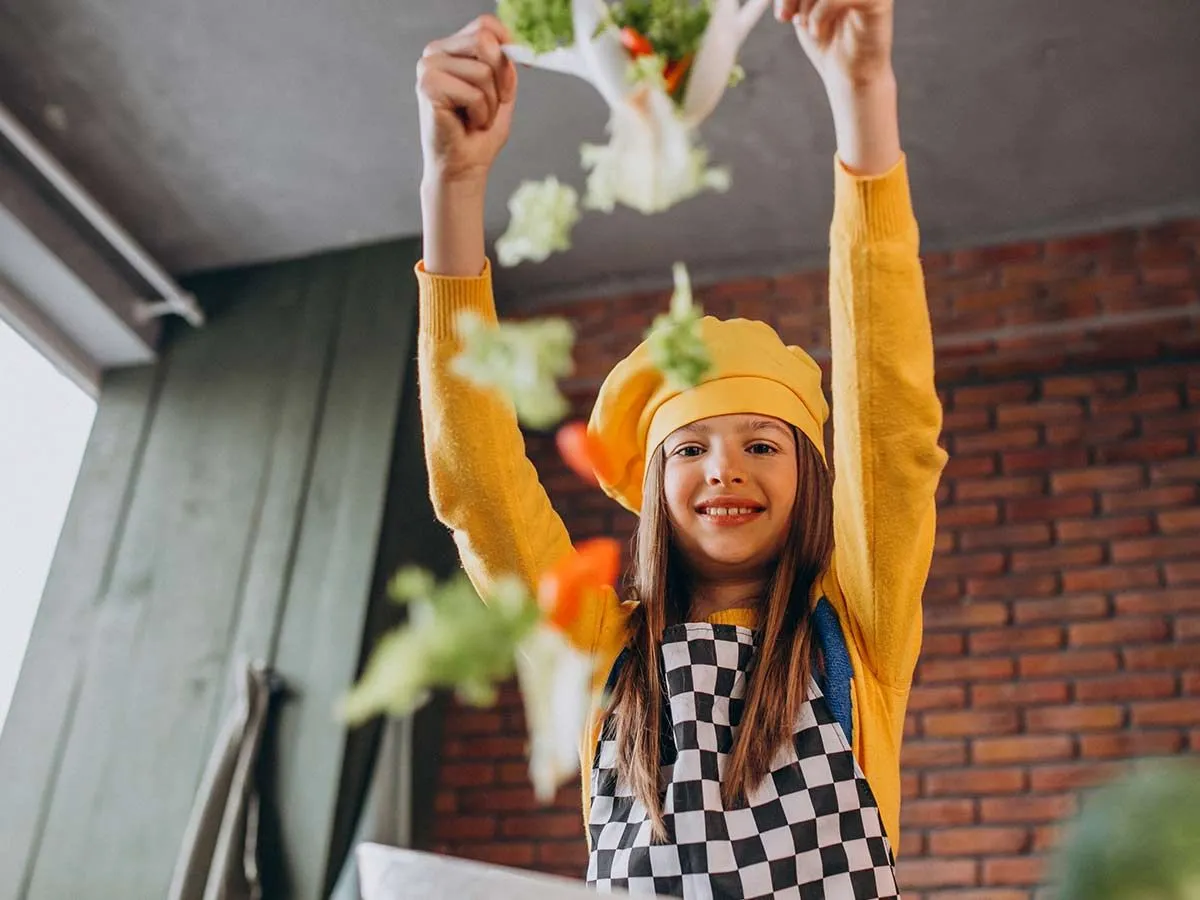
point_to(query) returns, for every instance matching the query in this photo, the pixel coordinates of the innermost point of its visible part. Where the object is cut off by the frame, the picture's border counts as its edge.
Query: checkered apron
(811, 829)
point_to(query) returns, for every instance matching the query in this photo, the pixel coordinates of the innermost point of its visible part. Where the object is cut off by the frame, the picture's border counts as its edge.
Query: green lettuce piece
(676, 345)
(541, 216)
(521, 360)
(542, 25)
(674, 28)
(1137, 838)
(451, 641)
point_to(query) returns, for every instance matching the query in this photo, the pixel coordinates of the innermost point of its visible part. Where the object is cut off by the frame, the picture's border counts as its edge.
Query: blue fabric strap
(834, 682)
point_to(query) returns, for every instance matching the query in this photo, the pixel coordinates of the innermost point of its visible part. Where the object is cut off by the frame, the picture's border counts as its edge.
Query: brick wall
(1063, 609)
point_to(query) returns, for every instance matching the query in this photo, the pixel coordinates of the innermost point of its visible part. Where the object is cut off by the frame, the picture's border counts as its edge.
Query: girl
(759, 671)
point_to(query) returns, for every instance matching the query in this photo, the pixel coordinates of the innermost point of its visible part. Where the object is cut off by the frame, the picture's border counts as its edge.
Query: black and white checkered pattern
(809, 830)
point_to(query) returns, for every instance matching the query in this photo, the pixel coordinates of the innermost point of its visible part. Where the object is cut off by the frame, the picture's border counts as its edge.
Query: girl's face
(730, 485)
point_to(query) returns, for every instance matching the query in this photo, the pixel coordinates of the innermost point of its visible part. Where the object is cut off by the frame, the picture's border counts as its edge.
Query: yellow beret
(752, 371)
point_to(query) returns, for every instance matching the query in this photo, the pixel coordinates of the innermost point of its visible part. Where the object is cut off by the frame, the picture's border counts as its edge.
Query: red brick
(1082, 245)
(1111, 478)
(1072, 776)
(959, 420)
(967, 564)
(1073, 719)
(977, 780)
(926, 873)
(1025, 748)
(1163, 657)
(455, 774)
(445, 802)
(1042, 808)
(1155, 549)
(1185, 470)
(1129, 744)
(967, 615)
(464, 828)
(1046, 837)
(941, 645)
(912, 843)
(1039, 412)
(967, 723)
(1042, 509)
(490, 747)
(1187, 628)
(1067, 662)
(989, 442)
(498, 800)
(988, 258)
(1125, 687)
(937, 670)
(969, 466)
(1057, 557)
(920, 754)
(1101, 529)
(1144, 450)
(566, 858)
(981, 841)
(1111, 578)
(509, 854)
(968, 515)
(998, 488)
(1152, 500)
(1084, 385)
(1015, 640)
(1117, 631)
(1043, 459)
(1140, 402)
(1032, 585)
(543, 825)
(1016, 870)
(1019, 693)
(992, 394)
(1183, 712)
(938, 813)
(1182, 572)
(1167, 600)
(1092, 431)
(942, 592)
(1179, 521)
(1005, 537)
(461, 721)
(1061, 609)
(910, 785)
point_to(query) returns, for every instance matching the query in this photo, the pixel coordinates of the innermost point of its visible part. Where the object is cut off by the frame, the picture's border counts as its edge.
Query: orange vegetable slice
(635, 42)
(674, 72)
(582, 452)
(591, 566)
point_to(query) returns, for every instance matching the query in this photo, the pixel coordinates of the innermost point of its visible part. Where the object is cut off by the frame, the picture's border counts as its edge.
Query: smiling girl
(758, 669)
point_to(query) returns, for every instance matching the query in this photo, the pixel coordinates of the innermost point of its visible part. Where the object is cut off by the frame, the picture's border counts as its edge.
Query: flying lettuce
(676, 345)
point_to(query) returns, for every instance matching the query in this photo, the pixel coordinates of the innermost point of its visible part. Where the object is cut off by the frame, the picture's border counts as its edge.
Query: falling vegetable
(1137, 838)
(451, 641)
(521, 360)
(563, 590)
(582, 452)
(676, 344)
(542, 214)
(541, 25)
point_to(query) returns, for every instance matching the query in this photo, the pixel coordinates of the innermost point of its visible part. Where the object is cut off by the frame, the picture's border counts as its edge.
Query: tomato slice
(562, 589)
(674, 72)
(635, 42)
(582, 452)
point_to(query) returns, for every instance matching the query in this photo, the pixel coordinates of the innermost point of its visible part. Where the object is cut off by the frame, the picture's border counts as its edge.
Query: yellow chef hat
(752, 371)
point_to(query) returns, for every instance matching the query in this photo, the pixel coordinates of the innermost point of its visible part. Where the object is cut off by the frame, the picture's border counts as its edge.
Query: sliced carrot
(674, 72)
(562, 589)
(582, 452)
(635, 42)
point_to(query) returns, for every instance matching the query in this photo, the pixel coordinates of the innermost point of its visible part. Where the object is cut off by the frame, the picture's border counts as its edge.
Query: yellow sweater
(886, 418)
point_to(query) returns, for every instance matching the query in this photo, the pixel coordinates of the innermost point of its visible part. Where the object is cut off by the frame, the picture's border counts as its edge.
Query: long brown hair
(659, 581)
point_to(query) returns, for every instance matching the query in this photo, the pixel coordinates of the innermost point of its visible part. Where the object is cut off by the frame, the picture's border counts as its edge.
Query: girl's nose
(723, 469)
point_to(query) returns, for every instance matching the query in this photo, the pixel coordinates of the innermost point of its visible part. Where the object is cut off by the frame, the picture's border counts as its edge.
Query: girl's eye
(688, 450)
(761, 449)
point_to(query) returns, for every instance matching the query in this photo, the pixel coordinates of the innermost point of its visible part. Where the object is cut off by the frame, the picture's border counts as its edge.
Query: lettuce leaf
(541, 25)
(521, 360)
(676, 346)
(542, 214)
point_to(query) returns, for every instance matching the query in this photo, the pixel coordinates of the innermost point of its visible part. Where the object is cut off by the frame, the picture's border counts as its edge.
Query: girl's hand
(848, 41)
(466, 89)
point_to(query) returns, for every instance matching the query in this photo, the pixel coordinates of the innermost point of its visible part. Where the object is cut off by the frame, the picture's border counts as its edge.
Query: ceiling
(223, 132)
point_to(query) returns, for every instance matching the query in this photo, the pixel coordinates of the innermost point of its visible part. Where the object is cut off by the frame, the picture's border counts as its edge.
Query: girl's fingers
(825, 15)
(785, 10)
(448, 92)
(475, 73)
(806, 7)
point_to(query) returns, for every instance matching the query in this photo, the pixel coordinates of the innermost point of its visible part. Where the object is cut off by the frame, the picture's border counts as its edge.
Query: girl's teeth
(727, 511)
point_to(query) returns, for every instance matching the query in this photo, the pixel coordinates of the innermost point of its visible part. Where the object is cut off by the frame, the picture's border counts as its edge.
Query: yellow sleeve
(886, 418)
(482, 485)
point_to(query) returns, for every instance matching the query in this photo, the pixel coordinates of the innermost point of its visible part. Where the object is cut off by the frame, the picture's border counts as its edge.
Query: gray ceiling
(223, 132)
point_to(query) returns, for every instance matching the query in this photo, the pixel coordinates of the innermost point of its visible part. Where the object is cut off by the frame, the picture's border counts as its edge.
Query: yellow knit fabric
(887, 461)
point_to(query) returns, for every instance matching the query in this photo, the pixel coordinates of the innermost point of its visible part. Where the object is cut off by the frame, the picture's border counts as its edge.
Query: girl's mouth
(726, 514)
